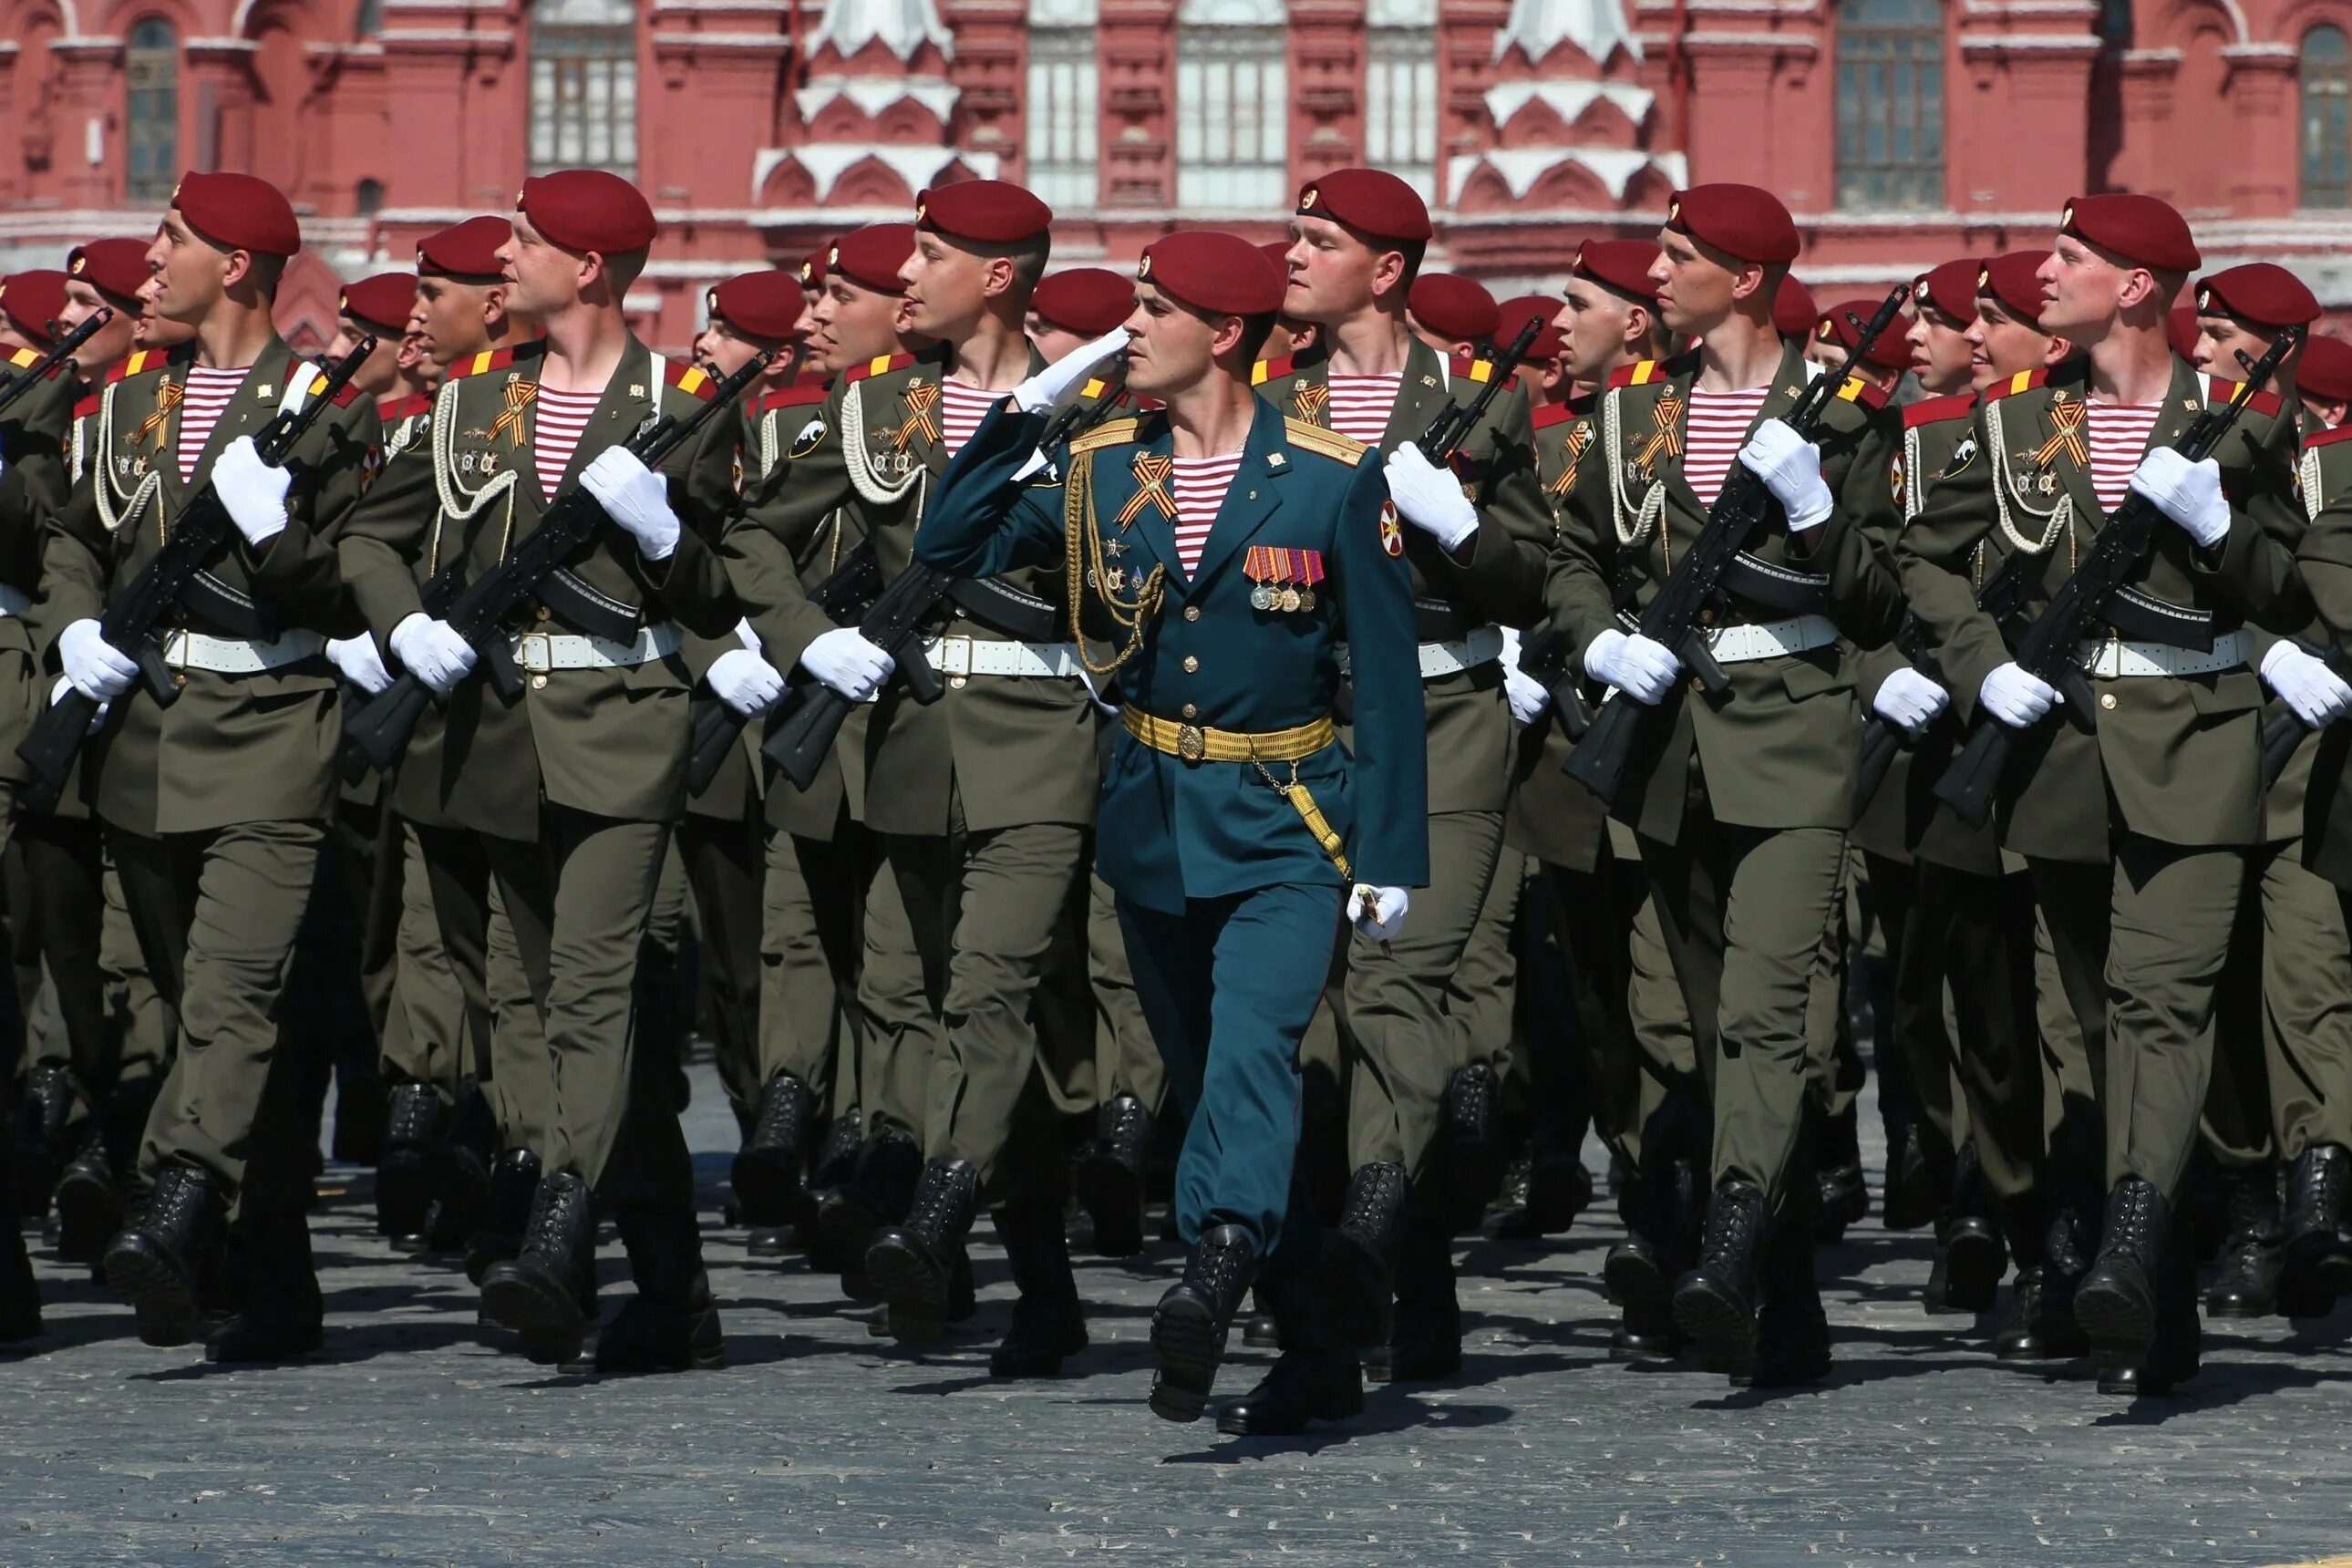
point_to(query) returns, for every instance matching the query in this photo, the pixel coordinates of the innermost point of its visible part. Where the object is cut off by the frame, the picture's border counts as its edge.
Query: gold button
(1192, 611)
(956, 682)
(2107, 700)
(179, 680)
(543, 612)
(538, 683)
(1190, 664)
(1190, 712)
(1697, 685)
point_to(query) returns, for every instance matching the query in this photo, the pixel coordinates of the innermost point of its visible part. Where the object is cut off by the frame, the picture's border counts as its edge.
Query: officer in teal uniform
(1235, 830)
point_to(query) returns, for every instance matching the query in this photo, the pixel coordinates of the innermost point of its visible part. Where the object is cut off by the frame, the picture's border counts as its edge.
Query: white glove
(1526, 694)
(634, 496)
(57, 694)
(746, 635)
(848, 663)
(2189, 493)
(1430, 497)
(1378, 912)
(96, 667)
(1642, 669)
(254, 493)
(1910, 699)
(1790, 468)
(432, 651)
(2316, 693)
(2016, 696)
(359, 662)
(744, 682)
(1061, 382)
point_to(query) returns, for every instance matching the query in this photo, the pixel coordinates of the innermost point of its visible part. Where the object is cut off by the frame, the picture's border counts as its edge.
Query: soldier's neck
(1212, 418)
(995, 358)
(585, 344)
(2130, 365)
(233, 335)
(1738, 354)
(1371, 343)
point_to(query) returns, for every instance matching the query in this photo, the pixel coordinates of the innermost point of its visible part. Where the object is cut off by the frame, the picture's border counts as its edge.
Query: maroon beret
(871, 257)
(1950, 289)
(986, 212)
(2181, 330)
(33, 299)
(2138, 228)
(1621, 266)
(2324, 369)
(1088, 301)
(1371, 201)
(2014, 282)
(1211, 271)
(115, 268)
(2259, 293)
(766, 304)
(1453, 306)
(588, 209)
(467, 250)
(1793, 310)
(813, 267)
(239, 212)
(382, 300)
(1739, 220)
(1889, 352)
(1514, 313)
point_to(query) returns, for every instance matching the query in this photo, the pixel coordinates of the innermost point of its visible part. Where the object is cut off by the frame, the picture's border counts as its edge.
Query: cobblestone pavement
(415, 1438)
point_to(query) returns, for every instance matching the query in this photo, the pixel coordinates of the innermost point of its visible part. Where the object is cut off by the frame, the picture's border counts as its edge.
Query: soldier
(568, 790)
(1233, 548)
(2281, 1090)
(1076, 306)
(1452, 314)
(1474, 551)
(2170, 779)
(2322, 383)
(1740, 804)
(216, 807)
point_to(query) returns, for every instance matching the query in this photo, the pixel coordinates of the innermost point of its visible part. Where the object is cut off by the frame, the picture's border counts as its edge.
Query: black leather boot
(20, 1296)
(90, 1203)
(913, 1265)
(671, 1324)
(1912, 1198)
(514, 1184)
(457, 1170)
(158, 1259)
(1048, 1323)
(2247, 1283)
(877, 1193)
(2019, 1337)
(41, 1119)
(1475, 1151)
(1845, 1195)
(769, 1172)
(538, 1292)
(1364, 1253)
(1110, 1180)
(1258, 1331)
(1792, 1333)
(836, 1157)
(2115, 1303)
(1188, 1326)
(280, 1314)
(413, 1123)
(2316, 1259)
(1969, 1251)
(2172, 1356)
(1316, 1377)
(1639, 1273)
(1716, 1302)
(1426, 1342)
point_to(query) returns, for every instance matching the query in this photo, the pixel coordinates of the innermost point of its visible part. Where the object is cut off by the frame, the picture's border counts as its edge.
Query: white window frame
(1232, 107)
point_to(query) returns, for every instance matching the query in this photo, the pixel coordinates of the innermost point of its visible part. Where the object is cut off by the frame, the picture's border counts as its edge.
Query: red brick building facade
(1899, 131)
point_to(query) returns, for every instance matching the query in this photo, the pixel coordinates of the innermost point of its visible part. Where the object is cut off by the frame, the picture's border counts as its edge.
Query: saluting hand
(1061, 382)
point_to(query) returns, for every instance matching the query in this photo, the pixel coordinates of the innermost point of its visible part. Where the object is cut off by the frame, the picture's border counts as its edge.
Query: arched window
(1062, 103)
(1233, 106)
(1401, 91)
(152, 139)
(367, 198)
(2327, 119)
(1890, 103)
(584, 85)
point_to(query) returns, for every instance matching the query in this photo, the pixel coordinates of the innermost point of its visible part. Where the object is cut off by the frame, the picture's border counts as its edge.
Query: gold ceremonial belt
(1199, 744)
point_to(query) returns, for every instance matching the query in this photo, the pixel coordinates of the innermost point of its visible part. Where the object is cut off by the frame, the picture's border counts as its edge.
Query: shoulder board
(691, 378)
(2023, 381)
(1935, 410)
(1267, 369)
(1857, 390)
(1324, 443)
(2220, 389)
(25, 359)
(90, 406)
(1552, 414)
(481, 364)
(881, 364)
(2328, 437)
(1646, 372)
(1471, 367)
(146, 361)
(1118, 433)
(407, 407)
(795, 396)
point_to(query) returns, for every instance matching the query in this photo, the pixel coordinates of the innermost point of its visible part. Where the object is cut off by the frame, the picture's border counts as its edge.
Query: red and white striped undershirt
(1360, 405)
(1201, 486)
(2118, 440)
(1715, 429)
(962, 408)
(203, 401)
(563, 419)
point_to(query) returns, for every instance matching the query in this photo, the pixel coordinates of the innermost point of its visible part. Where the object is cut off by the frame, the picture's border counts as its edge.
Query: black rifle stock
(717, 726)
(1671, 616)
(131, 620)
(2078, 605)
(1883, 738)
(381, 729)
(33, 375)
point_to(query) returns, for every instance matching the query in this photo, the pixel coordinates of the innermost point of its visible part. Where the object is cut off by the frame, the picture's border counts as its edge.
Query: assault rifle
(1457, 420)
(844, 597)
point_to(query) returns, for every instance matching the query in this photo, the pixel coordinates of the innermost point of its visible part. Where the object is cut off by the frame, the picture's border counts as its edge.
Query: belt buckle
(1191, 743)
(952, 656)
(176, 649)
(535, 652)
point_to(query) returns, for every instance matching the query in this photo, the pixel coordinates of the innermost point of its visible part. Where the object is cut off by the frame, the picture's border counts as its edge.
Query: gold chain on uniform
(1083, 554)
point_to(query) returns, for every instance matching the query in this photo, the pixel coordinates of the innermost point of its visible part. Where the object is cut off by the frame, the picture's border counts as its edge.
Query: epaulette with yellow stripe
(691, 378)
(2221, 389)
(881, 364)
(798, 394)
(1324, 443)
(1935, 410)
(2023, 381)
(2328, 438)
(1267, 369)
(1117, 433)
(25, 359)
(1471, 367)
(147, 360)
(1857, 390)
(492, 358)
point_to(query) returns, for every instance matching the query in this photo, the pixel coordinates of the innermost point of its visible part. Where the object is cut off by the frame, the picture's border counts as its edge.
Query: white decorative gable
(902, 26)
(1599, 27)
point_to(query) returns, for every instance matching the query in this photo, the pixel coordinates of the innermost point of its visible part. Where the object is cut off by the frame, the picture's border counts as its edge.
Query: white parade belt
(239, 655)
(539, 652)
(1483, 645)
(1770, 639)
(983, 656)
(2114, 660)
